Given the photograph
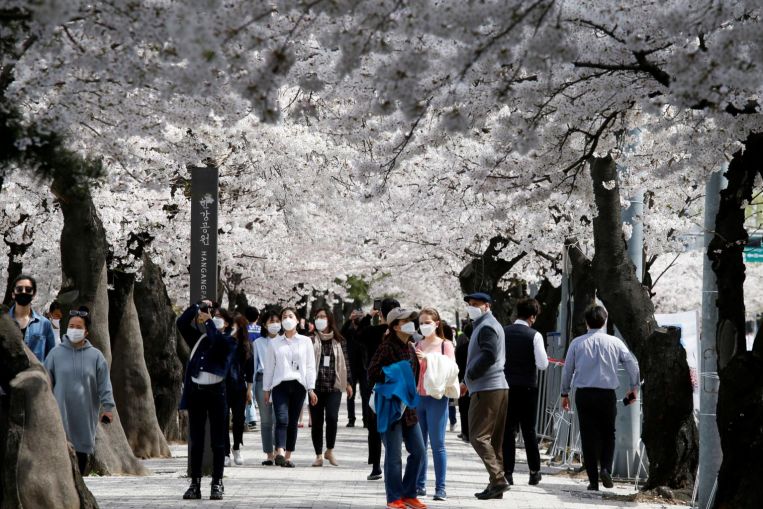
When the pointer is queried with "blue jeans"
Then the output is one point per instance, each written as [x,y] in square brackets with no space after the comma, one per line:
[288,400]
[393,439]
[267,417]
[433,420]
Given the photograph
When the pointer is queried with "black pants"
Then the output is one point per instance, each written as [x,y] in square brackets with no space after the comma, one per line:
[236,398]
[463,411]
[328,406]
[207,401]
[82,458]
[523,406]
[374,438]
[597,411]
[288,399]
[351,402]
[365,394]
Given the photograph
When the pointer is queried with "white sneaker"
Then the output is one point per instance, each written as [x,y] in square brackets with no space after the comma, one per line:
[237,459]
[227,461]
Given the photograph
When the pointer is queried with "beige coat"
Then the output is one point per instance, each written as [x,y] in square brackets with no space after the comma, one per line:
[340,373]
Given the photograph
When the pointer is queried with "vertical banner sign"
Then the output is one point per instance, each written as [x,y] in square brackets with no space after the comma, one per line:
[203,261]
[203,233]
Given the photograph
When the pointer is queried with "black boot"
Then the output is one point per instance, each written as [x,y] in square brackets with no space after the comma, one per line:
[217,490]
[194,490]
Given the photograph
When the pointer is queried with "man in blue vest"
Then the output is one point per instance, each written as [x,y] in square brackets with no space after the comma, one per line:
[525,354]
[489,391]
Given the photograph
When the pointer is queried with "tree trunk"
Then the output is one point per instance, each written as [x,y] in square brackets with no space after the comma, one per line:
[15,268]
[157,326]
[549,297]
[740,397]
[83,262]
[132,385]
[582,286]
[484,274]
[669,431]
[237,300]
[31,429]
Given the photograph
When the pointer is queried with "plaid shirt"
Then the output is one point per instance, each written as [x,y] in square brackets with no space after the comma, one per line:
[390,351]
[326,374]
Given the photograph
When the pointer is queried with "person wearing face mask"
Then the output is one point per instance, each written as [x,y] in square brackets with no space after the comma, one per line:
[238,388]
[332,378]
[396,348]
[79,376]
[368,338]
[271,320]
[36,329]
[54,315]
[486,383]
[203,396]
[433,410]
[289,374]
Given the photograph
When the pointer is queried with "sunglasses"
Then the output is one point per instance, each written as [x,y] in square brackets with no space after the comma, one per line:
[25,289]
[74,312]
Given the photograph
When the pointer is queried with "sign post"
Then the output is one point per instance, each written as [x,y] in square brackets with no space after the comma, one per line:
[204,201]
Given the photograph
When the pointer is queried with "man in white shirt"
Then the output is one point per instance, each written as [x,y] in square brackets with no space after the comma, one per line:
[525,354]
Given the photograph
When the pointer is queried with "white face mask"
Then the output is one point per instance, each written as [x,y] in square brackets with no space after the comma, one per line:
[274,328]
[289,324]
[427,329]
[321,324]
[473,312]
[75,335]
[219,322]
[408,328]
[56,323]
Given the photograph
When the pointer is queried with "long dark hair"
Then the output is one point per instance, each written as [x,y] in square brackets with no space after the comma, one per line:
[242,335]
[331,324]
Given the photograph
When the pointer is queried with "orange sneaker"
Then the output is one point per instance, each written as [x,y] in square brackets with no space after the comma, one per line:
[414,503]
[397,504]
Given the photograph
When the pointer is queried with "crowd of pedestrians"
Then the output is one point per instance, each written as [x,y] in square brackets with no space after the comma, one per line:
[402,362]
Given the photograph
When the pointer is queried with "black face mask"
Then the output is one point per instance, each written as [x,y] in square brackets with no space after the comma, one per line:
[23,299]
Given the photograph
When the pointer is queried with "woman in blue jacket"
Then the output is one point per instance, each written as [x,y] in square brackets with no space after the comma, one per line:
[395,348]
[208,332]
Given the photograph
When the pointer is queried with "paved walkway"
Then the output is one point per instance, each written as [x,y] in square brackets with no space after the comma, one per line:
[343,487]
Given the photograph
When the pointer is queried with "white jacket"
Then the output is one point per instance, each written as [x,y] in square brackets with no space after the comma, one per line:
[441,377]
[292,359]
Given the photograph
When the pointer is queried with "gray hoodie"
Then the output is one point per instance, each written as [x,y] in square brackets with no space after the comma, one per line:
[82,386]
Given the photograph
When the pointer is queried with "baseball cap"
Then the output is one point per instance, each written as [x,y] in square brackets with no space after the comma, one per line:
[401,314]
